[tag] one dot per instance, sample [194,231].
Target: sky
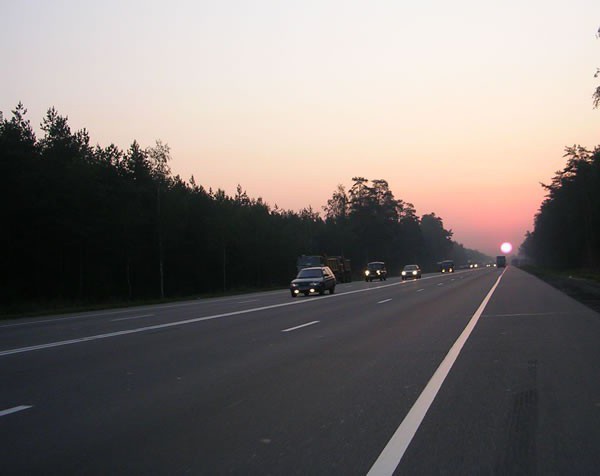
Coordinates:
[464,107]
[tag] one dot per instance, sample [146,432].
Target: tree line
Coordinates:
[87,224]
[566,232]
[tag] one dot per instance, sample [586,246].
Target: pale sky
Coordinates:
[464,107]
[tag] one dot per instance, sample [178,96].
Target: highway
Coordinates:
[486,371]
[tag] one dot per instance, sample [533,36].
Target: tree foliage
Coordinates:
[86,224]
[567,227]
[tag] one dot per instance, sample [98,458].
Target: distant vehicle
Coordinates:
[501,261]
[447,266]
[313,280]
[338,264]
[309,261]
[376,270]
[340,267]
[411,271]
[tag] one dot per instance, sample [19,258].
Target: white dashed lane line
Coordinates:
[385,300]
[20,408]
[301,326]
[185,322]
[132,317]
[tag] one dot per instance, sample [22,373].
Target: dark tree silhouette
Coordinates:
[567,227]
[91,224]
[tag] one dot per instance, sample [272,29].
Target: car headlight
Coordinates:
[378,272]
[367,272]
[414,273]
[403,273]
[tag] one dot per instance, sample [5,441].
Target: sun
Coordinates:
[506,247]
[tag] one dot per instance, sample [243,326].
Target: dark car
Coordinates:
[313,280]
[411,271]
[447,266]
[376,270]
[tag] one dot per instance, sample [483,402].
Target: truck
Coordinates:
[338,264]
[309,261]
[341,268]
[500,261]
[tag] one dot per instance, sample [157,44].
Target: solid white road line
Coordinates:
[20,408]
[392,454]
[301,326]
[141,329]
[93,314]
[184,322]
[385,300]
[132,317]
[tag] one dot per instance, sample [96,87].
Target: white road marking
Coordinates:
[123,311]
[157,326]
[244,302]
[527,314]
[20,408]
[385,300]
[392,454]
[419,290]
[132,317]
[93,314]
[58,319]
[440,284]
[49,345]
[301,326]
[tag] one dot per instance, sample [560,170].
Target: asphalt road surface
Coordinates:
[487,371]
